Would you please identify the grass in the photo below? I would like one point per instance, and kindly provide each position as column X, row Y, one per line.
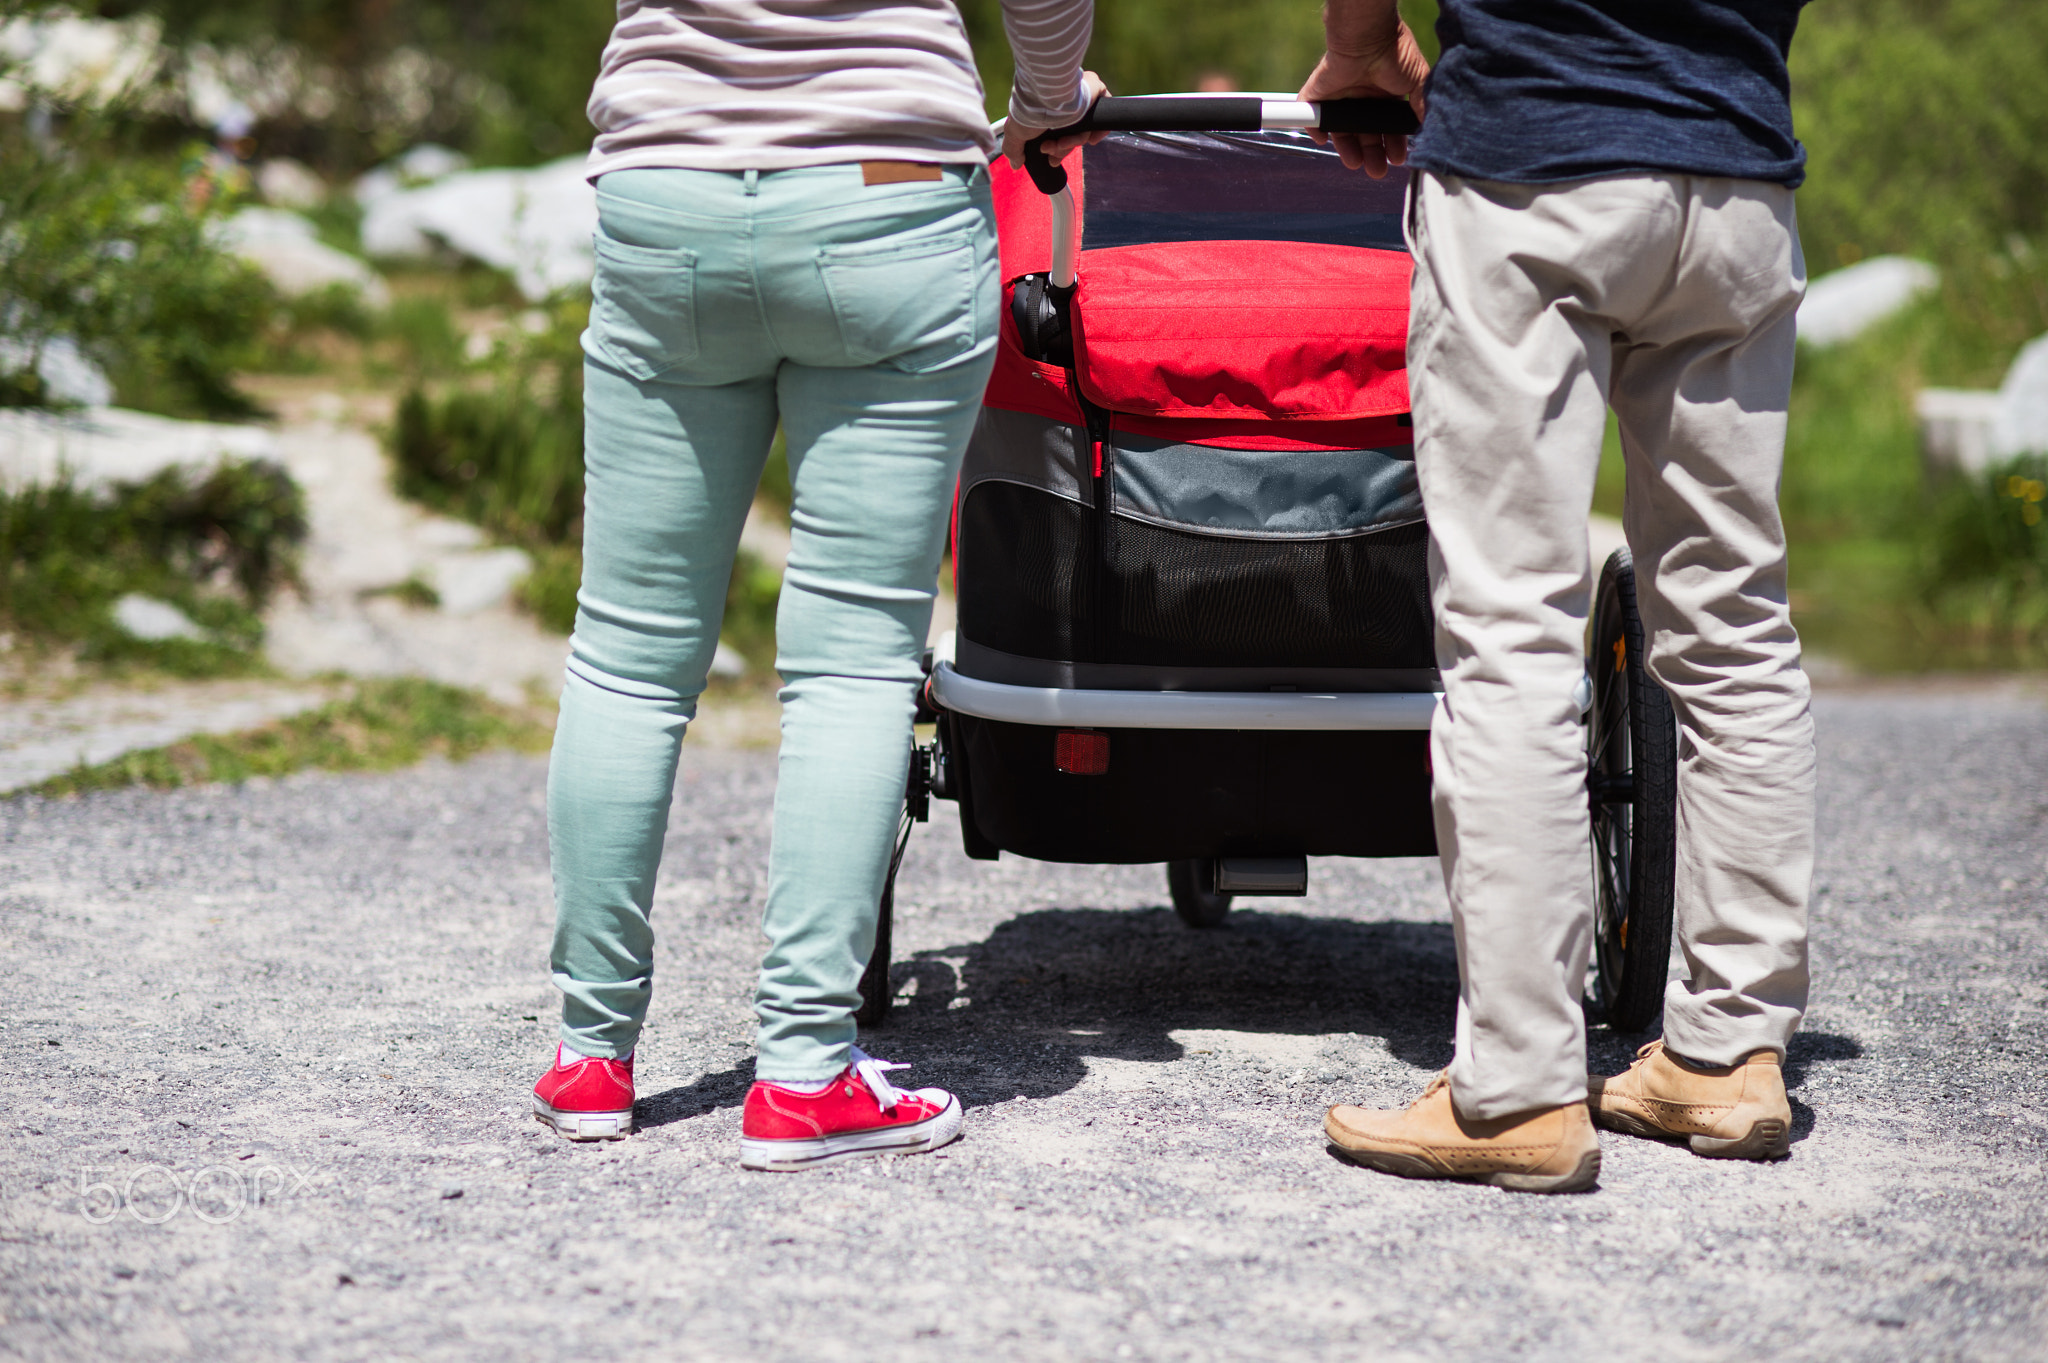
column 414, row 591
column 383, row 725
column 217, row 545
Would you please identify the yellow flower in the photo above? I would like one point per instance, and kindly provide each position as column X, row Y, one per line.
column 2015, row 487
column 2031, row 514
column 2036, row 489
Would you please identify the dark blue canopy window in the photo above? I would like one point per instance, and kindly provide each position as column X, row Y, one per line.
column 1270, row 186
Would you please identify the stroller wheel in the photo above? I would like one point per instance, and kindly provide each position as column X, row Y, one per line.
column 1192, row 885
column 1632, row 790
column 876, row 995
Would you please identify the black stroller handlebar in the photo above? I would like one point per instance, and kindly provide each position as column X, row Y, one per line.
column 1216, row 114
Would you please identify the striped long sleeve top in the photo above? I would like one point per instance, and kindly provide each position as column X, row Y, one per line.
column 771, row 84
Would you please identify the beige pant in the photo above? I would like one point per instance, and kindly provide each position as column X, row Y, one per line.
column 1535, row 307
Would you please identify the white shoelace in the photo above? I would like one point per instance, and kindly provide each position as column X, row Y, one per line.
column 875, row 1074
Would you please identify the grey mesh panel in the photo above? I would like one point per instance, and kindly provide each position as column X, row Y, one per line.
column 1018, row 447
column 1265, row 494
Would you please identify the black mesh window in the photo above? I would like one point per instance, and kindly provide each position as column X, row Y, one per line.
column 1183, row 598
column 1022, row 572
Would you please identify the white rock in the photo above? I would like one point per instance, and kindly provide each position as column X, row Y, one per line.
column 91, row 61
column 68, row 373
column 1843, row 304
column 283, row 245
column 1957, row 428
column 112, row 444
column 445, row 532
column 534, row 224
column 364, row 536
column 421, row 165
column 472, row 582
column 149, row 619
column 1967, row 431
column 727, row 663
column 1604, row 535
column 2022, row 426
column 285, row 183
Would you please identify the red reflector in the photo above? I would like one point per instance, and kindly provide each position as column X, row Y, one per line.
column 1081, row 752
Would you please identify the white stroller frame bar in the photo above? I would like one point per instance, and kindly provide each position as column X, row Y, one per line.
column 1062, row 707
column 1055, row 707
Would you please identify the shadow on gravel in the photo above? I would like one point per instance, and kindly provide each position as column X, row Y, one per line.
column 727, row 1088
column 1018, row 1013
column 1118, row 983
column 1805, row 1051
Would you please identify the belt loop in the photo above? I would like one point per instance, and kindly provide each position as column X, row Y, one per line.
column 753, row 182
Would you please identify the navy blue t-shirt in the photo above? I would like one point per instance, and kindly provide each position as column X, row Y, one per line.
column 1543, row 90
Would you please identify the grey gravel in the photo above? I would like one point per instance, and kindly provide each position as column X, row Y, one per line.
column 282, row 1025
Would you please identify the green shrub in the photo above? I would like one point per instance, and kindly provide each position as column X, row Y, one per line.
column 217, row 547
column 427, row 338
column 750, row 597
column 108, row 251
column 1985, row 565
column 508, row 456
column 337, row 307
column 549, row 592
column 1923, row 120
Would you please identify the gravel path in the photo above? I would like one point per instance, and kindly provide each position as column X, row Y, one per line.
column 271, row 1046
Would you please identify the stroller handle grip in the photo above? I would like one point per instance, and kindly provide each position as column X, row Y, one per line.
column 1217, row 113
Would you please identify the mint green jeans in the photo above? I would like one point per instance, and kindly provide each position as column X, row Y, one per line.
column 861, row 318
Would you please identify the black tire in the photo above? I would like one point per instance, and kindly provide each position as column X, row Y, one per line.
column 876, row 995
column 1632, row 790
column 1192, row 885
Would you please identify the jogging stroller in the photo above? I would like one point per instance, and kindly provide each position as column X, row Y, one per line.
column 1190, row 548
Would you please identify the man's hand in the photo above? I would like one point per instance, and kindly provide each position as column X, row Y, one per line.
column 1016, row 134
column 1371, row 55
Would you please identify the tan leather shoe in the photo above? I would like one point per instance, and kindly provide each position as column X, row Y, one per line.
column 1550, row 1150
column 1735, row 1111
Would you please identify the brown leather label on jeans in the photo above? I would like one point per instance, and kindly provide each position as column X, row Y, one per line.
column 896, row 172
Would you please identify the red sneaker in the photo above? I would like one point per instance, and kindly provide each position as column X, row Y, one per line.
column 585, row 1098
column 861, row 1113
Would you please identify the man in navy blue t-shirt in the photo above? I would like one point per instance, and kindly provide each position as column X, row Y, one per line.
column 1601, row 216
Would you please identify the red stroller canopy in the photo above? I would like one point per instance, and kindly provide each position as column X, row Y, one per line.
column 1223, row 278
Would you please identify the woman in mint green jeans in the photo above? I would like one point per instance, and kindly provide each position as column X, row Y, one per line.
column 829, row 266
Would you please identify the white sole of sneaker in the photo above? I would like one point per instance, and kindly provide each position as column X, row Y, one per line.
column 585, row 1126
column 789, row 1156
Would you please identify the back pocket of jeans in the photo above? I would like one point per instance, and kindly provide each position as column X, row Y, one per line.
column 643, row 306
column 905, row 302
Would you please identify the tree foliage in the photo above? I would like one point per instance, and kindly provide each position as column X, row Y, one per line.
column 505, row 79
column 1926, row 123
column 111, row 253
